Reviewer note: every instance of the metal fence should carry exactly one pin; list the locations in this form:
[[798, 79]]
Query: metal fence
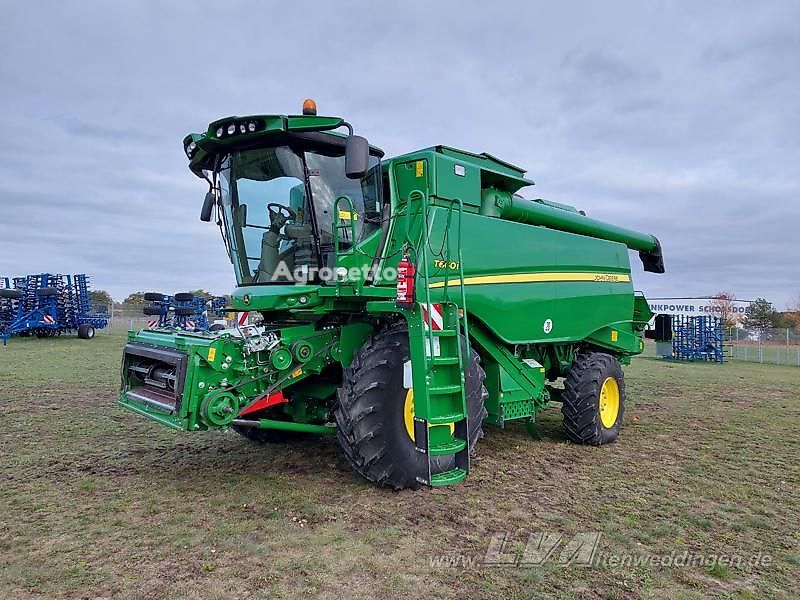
[[127, 317], [774, 346]]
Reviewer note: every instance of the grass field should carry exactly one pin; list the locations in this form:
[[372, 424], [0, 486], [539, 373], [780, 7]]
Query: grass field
[[98, 502]]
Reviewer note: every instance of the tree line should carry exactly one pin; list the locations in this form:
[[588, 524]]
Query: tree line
[[760, 316]]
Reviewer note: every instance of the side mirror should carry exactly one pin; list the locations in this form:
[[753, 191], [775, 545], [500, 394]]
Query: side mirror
[[208, 206], [356, 157]]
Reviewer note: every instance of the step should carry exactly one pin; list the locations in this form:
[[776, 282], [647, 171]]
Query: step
[[451, 477], [451, 447], [442, 332], [439, 390], [446, 419], [444, 360]]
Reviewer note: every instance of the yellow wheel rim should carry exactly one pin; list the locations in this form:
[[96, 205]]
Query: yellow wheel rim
[[609, 402], [408, 414]]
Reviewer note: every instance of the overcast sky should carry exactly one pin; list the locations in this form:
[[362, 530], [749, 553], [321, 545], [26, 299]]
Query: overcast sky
[[678, 118]]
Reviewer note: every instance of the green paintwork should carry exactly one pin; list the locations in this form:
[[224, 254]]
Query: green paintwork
[[299, 427], [528, 282]]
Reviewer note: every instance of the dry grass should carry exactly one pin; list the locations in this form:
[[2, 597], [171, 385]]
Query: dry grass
[[97, 502]]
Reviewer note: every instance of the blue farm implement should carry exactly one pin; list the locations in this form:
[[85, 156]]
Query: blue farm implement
[[697, 338], [182, 311], [47, 305]]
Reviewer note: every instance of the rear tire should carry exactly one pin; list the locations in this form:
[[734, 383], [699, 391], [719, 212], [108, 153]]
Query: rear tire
[[85, 332], [151, 311], [153, 297], [369, 413], [10, 294], [183, 297], [593, 400]]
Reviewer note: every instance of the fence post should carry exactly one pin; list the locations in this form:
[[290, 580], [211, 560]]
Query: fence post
[[787, 346]]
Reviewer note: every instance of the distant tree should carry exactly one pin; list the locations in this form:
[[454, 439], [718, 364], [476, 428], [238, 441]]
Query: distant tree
[[786, 319], [792, 315], [722, 305], [760, 317], [134, 299], [101, 297]]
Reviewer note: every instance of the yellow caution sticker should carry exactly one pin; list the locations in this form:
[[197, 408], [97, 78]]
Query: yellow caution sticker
[[297, 373], [212, 354], [614, 335], [420, 168], [346, 215]]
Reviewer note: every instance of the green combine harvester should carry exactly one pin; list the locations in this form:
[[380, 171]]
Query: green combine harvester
[[400, 304]]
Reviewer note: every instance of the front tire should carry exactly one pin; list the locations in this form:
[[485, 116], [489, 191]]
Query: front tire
[[371, 411], [593, 400]]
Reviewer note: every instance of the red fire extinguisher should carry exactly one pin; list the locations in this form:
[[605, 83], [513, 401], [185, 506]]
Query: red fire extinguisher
[[405, 282]]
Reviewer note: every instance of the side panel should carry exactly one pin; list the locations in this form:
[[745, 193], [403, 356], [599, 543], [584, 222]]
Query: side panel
[[520, 276]]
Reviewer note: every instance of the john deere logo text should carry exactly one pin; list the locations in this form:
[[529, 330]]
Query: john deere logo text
[[608, 277]]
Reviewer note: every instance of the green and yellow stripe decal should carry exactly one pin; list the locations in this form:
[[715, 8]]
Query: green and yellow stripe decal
[[538, 278]]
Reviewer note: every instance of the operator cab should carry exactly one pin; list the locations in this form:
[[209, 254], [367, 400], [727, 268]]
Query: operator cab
[[286, 189], [277, 206]]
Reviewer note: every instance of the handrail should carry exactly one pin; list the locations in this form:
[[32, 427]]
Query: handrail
[[337, 226], [461, 279], [422, 257]]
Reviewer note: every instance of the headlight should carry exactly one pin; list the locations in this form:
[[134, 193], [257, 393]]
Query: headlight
[[242, 128], [231, 128], [251, 126], [219, 132]]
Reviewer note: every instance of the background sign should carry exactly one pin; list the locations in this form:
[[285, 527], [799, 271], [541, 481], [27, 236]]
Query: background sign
[[695, 307]]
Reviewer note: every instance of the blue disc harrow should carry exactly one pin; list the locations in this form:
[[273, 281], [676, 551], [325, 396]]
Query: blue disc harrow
[[185, 311], [697, 338], [47, 305]]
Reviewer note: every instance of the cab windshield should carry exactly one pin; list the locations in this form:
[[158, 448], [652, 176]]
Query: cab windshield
[[278, 211]]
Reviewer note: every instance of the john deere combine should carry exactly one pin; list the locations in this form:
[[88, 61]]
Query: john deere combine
[[403, 303]]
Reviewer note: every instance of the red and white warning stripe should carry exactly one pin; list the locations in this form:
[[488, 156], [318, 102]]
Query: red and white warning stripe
[[190, 324], [48, 319], [243, 317], [152, 324], [432, 316]]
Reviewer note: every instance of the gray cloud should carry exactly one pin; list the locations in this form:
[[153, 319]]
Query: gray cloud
[[676, 118]]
